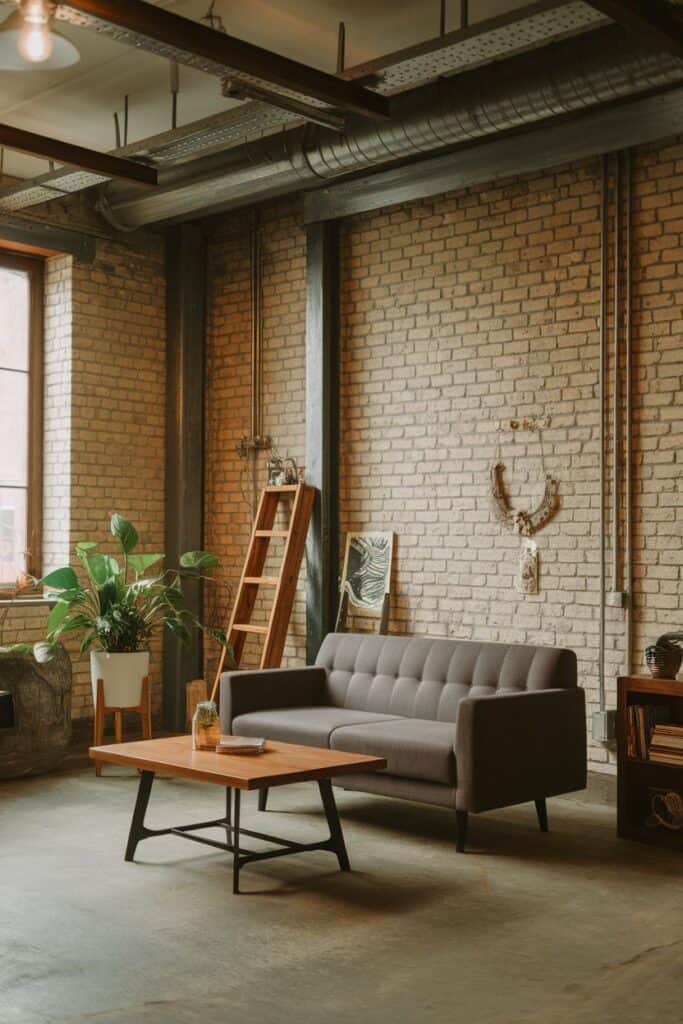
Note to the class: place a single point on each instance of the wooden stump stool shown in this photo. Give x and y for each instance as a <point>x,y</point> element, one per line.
<point>144,709</point>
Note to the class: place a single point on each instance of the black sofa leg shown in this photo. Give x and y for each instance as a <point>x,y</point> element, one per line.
<point>460,830</point>
<point>262,799</point>
<point>542,812</point>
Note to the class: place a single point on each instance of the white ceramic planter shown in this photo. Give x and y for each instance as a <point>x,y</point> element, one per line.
<point>122,675</point>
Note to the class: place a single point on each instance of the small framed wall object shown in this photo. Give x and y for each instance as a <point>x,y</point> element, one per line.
<point>366,578</point>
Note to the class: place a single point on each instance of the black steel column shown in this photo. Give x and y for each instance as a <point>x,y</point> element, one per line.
<point>322,429</point>
<point>186,277</point>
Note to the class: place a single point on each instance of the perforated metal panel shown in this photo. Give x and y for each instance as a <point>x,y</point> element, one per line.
<point>482,44</point>
<point>250,121</point>
<point>27,195</point>
<point>174,53</point>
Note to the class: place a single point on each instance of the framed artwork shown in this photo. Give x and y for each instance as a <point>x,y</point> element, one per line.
<point>366,576</point>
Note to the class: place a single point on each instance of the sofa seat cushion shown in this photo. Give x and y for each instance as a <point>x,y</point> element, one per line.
<point>308,725</point>
<point>414,748</point>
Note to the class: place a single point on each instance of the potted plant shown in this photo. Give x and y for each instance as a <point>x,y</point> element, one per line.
<point>120,604</point>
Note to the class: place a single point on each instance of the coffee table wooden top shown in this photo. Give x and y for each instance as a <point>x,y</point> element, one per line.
<point>280,764</point>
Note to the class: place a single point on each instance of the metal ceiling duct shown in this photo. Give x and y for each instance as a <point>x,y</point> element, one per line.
<point>564,78</point>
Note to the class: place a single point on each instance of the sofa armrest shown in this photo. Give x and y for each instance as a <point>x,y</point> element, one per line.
<point>514,747</point>
<point>264,689</point>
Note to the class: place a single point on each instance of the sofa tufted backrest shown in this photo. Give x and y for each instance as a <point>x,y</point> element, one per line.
<point>427,678</point>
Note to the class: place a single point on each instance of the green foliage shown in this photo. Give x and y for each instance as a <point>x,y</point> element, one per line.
<point>116,608</point>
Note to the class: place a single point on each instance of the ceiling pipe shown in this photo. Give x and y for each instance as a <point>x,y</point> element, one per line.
<point>567,77</point>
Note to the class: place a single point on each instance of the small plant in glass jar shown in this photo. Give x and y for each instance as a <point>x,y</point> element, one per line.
<point>206,727</point>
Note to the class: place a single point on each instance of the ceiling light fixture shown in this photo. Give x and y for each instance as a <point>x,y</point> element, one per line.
<point>27,40</point>
<point>35,39</point>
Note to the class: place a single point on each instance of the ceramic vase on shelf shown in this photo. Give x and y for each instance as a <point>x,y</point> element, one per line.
<point>664,657</point>
<point>206,726</point>
<point>122,676</point>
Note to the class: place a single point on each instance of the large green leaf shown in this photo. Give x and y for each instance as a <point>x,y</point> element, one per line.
<point>61,579</point>
<point>220,636</point>
<point>140,563</point>
<point>57,615</point>
<point>198,560</point>
<point>75,622</point>
<point>101,568</point>
<point>174,597</point>
<point>125,531</point>
<point>179,630</point>
<point>84,546</point>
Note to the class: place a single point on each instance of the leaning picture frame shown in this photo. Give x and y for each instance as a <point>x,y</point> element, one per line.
<point>366,577</point>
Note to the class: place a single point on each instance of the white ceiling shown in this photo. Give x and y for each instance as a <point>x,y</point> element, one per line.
<point>77,104</point>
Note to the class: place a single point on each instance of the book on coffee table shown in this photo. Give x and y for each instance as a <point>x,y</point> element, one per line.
<point>240,745</point>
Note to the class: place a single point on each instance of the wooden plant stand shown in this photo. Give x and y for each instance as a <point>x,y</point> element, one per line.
<point>639,781</point>
<point>144,709</point>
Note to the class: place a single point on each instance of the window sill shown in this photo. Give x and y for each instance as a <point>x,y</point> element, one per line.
<point>27,602</point>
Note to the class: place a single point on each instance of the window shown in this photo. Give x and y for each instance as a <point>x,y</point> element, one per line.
<point>21,415</point>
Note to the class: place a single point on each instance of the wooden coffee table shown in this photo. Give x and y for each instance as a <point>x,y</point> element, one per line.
<point>281,764</point>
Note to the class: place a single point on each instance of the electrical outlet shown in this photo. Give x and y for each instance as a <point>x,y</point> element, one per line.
<point>616,598</point>
<point>605,726</point>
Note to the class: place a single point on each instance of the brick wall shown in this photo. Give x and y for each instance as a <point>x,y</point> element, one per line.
<point>231,481</point>
<point>104,415</point>
<point>658,328</point>
<point>457,312</point>
<point>118,408</point>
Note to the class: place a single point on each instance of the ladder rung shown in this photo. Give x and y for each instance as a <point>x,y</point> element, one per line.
<point>271,533</point>
<point>281,488</point>
<point>268,581</point>
<point>244,628</point>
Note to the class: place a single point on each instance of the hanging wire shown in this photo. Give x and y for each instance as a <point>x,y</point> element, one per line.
<point>175,89</point>
<point>213,20</point>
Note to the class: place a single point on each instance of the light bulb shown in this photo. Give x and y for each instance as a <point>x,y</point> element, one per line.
<point>35,42</point>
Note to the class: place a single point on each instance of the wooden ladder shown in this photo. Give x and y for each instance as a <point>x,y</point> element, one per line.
<point>283,585</point>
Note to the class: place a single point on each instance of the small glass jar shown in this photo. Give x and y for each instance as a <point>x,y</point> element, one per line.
<point>206,726</point>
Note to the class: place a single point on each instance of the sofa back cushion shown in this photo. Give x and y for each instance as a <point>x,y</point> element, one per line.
<point>427,678</point>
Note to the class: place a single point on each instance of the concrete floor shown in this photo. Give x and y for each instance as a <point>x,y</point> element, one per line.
<point>573,927</point>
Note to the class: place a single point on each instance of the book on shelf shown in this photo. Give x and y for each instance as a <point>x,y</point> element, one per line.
<point>643,723</point>
<point>666,744</point>
<point>665,757</point>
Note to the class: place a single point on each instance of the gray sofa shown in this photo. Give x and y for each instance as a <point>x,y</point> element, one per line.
<point>470,726</point>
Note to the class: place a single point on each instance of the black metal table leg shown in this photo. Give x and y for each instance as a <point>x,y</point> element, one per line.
<point>137,825</point>
<point>228,815</point>
<point>336,834</point>
<point>236,845</point>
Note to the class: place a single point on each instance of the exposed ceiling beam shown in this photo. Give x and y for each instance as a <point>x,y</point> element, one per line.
<point>76,156</point>
<point>30,235</point>
<point>654,22</point>
<point>193,43</point>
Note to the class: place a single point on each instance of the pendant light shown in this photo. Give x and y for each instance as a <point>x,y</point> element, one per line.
<point>28,41</point>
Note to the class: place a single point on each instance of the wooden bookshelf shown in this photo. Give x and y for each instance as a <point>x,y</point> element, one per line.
<point>639,781</point>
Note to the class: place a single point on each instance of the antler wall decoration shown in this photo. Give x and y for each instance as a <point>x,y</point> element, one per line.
<point>522,522</point>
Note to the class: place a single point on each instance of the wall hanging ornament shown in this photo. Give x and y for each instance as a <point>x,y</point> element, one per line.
<point>521,521</point>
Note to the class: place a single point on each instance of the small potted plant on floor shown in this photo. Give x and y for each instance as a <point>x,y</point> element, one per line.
<point>118,607</point>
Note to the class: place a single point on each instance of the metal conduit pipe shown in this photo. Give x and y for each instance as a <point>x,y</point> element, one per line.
<point>256,355</point>
<point>602,389</point>
<point>628,416</point>
<point>616,391</point>
<point>565,77</point>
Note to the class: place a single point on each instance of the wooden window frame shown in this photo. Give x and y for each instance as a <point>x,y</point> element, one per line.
<point>34,267</point>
